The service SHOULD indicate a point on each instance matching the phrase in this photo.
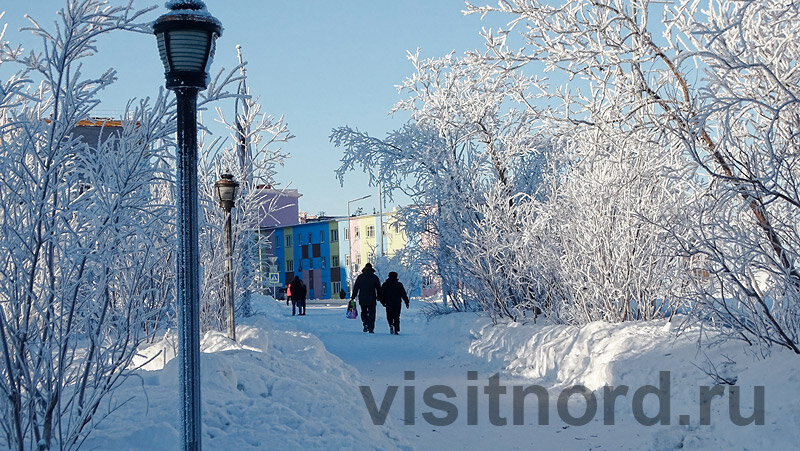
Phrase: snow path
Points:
(437, 352)
(292, 383)
(443, 350)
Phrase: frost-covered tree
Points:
(475, 157)
(252, 157)
(749, 51)
(79, 232)
(713, 81)
(604, 221)
(87, 235)
(463, 136)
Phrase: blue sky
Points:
(321, 64)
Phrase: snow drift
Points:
(272, 387)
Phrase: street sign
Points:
(273, 279)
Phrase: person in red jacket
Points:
(393, 293)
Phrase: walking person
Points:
(368, 289)
(298, 290)
(393, 294)
(303, 294)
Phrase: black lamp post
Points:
(186, 37)
(226, 193)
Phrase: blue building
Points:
(311, 251)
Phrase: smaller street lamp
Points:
(226, 193)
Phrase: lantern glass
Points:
(186, 44)
(226, 192)
(188, 49)
(162, 50)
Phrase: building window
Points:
(288, 241)
(323, 262)
(335, 262)
(347, 260)
(356, 233)
(334, 235)
(309, 237)
(300, 239)
(358, 261)
(321, 236)
(336, 287)
(324, 290)
(347, 234)
(371, 256)
(371, 231)
(277, 242)
(289, 265)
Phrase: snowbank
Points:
(635, 354)
(274, 388)
(280, 387)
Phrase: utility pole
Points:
(245, 165)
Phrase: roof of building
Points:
(321, 219)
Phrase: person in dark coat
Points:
(393, 294)
(368, 289)
(299, 291)
(303, 295)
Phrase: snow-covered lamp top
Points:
(186, 38)
(185, 4)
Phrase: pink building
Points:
(277, 207)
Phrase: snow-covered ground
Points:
(297, 383)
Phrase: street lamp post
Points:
(226, 193)
(354, 200)
(186, 36)
(350, 250)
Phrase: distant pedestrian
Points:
(303, 295)
(368, 289)
(288, 294)
(299, 291)
(393, 294)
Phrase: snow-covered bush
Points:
(251, 156)
(462, 137)
(87, 230)
(81, 233)
(528, 214)
(604, 225)
(713, 81)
